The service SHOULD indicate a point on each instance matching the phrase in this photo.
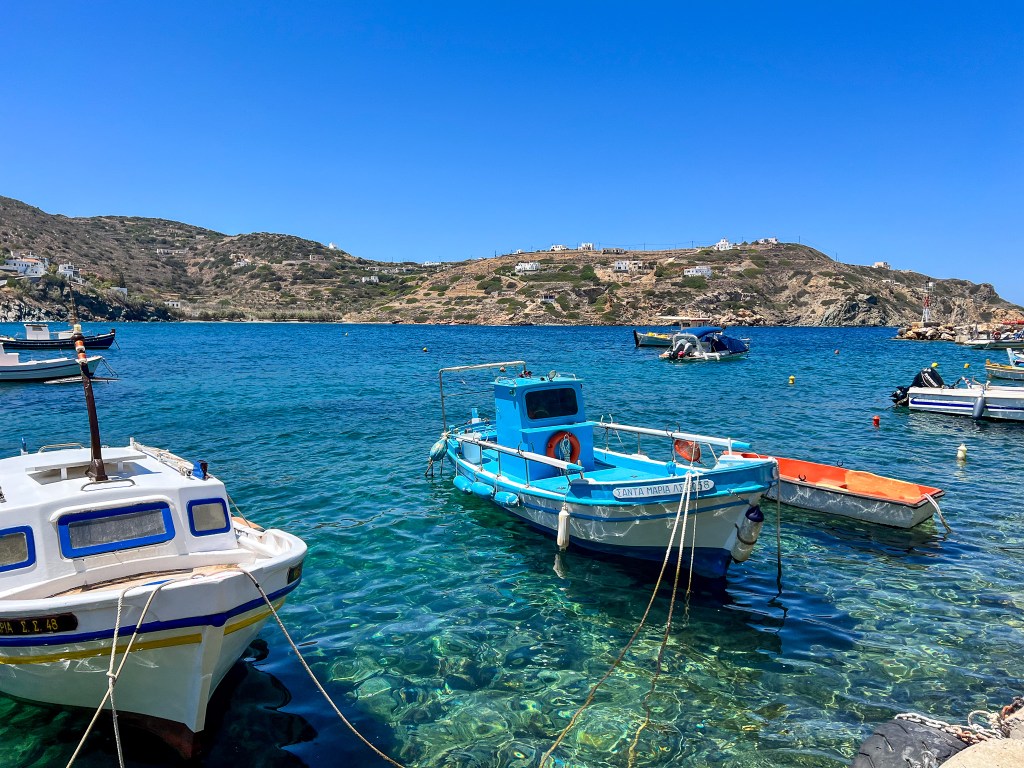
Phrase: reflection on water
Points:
(448, 633)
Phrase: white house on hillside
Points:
(559, 247)
(28, 264)
(881, 265)
(527, 266)
(586, 247)
(697, 272)
(723, 245)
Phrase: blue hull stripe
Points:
(213, 620)
(635, 518)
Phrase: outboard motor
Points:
(927, 378)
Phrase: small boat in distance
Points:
(124, 579)
(865, 496)
(928, 392)
(703, 344)
(540, 460)
(14, 369)
(39, 336)
(1014, 371)
(664, 339)
(1006, 337)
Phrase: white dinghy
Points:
(124, 580)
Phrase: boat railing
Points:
(59, 446)
(540, 458)
(461, 368)
(721, 442)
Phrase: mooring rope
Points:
(312, 676)
(631, 759)
(112, 676)
(938, 511)
(684, 499)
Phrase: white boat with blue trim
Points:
(128, 558)
(14, 369)
(979, 400)
(541, 459)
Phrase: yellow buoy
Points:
(424, 349)
(935, 365)
(792, 379)
(961, 452)
(967, 365)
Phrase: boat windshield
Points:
(551, 403)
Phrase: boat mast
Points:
(96, 469)
(74, 309)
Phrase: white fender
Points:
(563, 528)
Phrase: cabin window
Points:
(17, 548)
(109, 530)
(551, 403)
(207, 516)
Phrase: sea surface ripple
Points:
(439, 625)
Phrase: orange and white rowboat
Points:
(851, 493)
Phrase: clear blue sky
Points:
(873, 131)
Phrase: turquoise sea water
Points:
(439, 624)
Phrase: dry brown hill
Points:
(273, 276)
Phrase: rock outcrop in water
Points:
(269, 276)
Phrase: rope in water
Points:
(312, 676)
(684, 498)
(631, 759)
(938, 512)
(112, 676)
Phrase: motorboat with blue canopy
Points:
(601, 485)
(706, 343)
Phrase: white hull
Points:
(197, 626)
(845, 504)
(999, 403)
(45, 370)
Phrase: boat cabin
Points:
(60, 530)
(543, 414)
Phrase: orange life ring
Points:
(687, 450)
(556, 442)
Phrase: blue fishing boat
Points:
(592, 484)
(702, 344)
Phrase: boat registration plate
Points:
(39, 625)
(663, 489)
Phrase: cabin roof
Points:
(51, 477)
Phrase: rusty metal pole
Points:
(96, 469)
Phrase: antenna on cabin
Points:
(96, 469)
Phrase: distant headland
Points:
(132, 268)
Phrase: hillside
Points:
(272, 276)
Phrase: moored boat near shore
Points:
(14, 369)
(39, 337)
(539, 460)
(1012, 371)
(979, 400)
(704, 344)
(124, 580)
